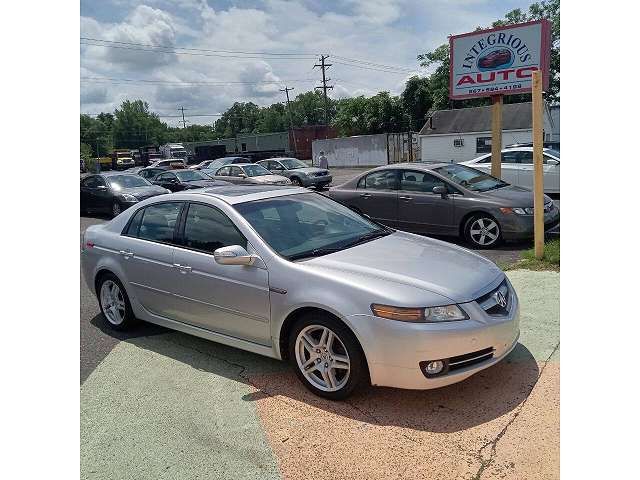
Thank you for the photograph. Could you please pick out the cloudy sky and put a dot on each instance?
(213, 53)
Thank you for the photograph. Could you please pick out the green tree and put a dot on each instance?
(134, 125)
(96, 134)
(241, 117)
(417, 100)
(308, 109)
(351, 116)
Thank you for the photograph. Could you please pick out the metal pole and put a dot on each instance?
(496, 136)
(538, 179)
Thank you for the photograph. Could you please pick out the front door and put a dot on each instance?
(377, 196)
(229, 299)
(421, 210)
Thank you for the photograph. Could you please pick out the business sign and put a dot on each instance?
(499, 61)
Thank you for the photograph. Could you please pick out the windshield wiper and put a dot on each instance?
(317, 252)
(368, 237)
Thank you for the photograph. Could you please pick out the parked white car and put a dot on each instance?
(517, 167)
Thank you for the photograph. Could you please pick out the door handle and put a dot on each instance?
(182, 268)
(365, 195)
(406, 199)
(126, 253)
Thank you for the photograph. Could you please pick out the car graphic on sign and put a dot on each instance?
(495, 59)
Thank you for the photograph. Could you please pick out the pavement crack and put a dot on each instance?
(492, 444)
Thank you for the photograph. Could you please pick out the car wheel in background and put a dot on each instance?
(483, 231)
(326, 356)
(116, 209)
(114, 302)
(296, 181)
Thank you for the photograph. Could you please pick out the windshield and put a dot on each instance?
(221, 162)
(255, 170)
(190, 176)
(470, 178)
(551, 151)
(291, 163)
(118, 182)
(308, 224)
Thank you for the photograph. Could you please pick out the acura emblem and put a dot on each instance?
(501, 299)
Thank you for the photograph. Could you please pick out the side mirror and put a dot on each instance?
(234, 255)
(440, 190)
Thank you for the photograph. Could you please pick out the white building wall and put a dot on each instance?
(362, 150)
(439, 148)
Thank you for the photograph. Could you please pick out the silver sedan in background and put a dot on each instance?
(298, 172)
(293, 275)
(247, 174)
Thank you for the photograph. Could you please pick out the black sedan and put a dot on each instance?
(113, 192)
(185, 179)
(151, 172)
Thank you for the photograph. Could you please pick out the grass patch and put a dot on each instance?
(550, 260)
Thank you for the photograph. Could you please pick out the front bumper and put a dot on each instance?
(321, 181)
(520, 227)
(394, 350)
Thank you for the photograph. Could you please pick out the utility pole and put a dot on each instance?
(324, 86)
(184, 122)
(293, 132)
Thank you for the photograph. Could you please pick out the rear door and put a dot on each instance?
(510, 167)
(421, 210)
(229, 299)
(148, 257)
(377, 196)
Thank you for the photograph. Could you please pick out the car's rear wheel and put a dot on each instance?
(116, 209)
(114, 303)
(326, 356)
(483, 231)
(296, 181)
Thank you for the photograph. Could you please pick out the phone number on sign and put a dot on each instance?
(502, 88)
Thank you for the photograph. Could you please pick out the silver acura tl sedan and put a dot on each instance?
(293, 275)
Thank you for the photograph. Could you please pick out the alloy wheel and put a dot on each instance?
(116, 209)
(112, 302)
(484, 231)
(322, 358)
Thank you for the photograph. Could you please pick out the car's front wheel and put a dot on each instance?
(296, 181)
(483, 231)
(114, 302)
(116, 209)
(327, 357)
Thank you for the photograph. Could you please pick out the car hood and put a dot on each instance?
(268, 179)
(309, 170)
(455, 273)
(512, 196)
(144, 192)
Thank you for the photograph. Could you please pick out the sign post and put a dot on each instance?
(538, 179)
(496, 136)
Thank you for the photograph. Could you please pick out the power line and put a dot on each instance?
(180, 83)
(312, 55)
(324, 86)
(379, 65)
(375, 69)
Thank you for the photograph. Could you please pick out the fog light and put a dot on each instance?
(435, 367)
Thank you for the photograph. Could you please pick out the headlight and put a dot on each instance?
(128, 198)
(446, 313)
(518, 210)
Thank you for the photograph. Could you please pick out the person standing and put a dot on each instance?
(322, 161)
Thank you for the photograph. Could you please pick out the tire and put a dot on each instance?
(296, 181)
(483, 231)
(116, 209)
(343, 351)
(118, 314)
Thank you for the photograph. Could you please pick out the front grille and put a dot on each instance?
(468, 359)
(321, 174)
(490, 302)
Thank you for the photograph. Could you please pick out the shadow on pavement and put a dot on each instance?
(485, 396)
(143, 329)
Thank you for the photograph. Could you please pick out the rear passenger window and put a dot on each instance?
(159, 221)
(134, 225)
(208, 229)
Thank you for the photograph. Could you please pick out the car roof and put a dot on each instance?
(111, 173)
(234, 194)
(416, 165)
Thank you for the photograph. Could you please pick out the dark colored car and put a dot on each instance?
(445, 199)
(112, 192)
(495, 59)
(185, 179)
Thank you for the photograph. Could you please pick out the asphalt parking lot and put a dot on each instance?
(160, 404)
